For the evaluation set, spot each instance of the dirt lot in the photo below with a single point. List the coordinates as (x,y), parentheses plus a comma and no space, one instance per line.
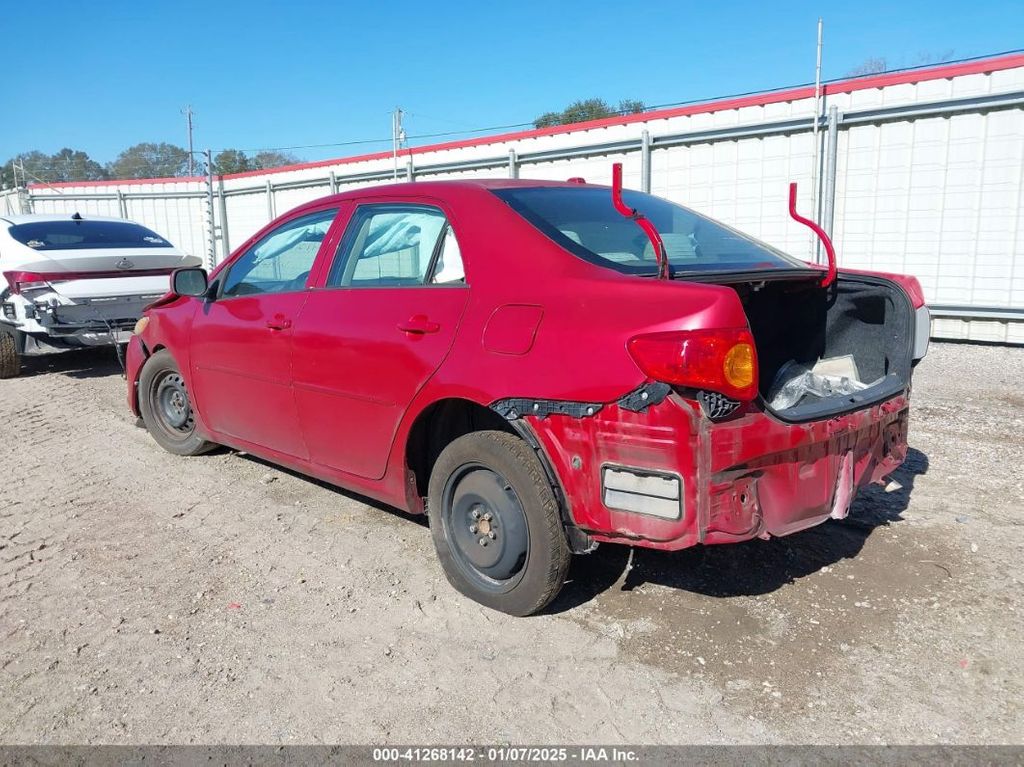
(146,598)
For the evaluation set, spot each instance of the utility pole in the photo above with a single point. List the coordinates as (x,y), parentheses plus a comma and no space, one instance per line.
(211,223)
(187,111)
(397,136)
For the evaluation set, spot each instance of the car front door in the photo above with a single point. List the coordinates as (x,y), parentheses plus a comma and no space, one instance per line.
(242,341)
(369,339)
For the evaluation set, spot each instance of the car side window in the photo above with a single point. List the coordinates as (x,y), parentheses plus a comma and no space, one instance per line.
(282,260)
(448,269)
(395,245)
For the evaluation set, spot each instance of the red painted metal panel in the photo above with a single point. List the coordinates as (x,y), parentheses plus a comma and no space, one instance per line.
(355,369)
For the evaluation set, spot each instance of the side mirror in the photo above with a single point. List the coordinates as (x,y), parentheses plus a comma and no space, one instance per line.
(190,282)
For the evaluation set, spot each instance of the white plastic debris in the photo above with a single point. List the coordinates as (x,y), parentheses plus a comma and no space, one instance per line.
(831,377)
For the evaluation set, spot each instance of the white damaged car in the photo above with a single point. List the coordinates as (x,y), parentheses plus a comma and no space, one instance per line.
(71,281)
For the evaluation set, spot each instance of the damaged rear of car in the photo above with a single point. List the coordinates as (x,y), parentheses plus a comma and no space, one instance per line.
(756,420)
(73,282)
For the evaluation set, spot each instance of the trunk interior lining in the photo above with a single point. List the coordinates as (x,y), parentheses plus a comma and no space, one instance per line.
(869,318)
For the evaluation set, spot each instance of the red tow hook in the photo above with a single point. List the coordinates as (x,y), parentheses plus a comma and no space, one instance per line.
(642,221)
(829,278)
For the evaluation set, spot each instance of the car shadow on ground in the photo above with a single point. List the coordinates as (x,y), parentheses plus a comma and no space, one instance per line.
(417,519)
(743,569)
(86,363)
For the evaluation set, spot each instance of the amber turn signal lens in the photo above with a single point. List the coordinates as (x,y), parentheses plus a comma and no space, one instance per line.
(722,360)
(738,366)
(140,325)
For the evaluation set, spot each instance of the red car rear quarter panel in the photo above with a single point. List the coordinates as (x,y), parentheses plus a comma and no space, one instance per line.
(580,327)
(664,438)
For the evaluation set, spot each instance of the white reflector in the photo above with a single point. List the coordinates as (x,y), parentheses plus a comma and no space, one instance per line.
(657,495)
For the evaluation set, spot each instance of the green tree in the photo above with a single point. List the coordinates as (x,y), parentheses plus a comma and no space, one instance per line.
(36,166)
(548,119)
(39,167)
(588,109)
(149,160)
(74,165)
(631,107)
(237,161)
(230,161)
(271,159)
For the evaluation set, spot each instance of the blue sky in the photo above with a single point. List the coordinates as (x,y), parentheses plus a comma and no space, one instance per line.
(103,75)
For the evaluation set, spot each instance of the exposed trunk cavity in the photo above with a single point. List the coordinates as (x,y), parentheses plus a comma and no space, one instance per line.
(859,329)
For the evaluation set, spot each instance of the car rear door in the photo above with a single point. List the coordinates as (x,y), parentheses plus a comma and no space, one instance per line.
(242,341)
(376,331)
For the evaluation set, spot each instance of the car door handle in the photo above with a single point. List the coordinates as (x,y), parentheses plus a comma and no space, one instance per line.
(279,323)
(419,324)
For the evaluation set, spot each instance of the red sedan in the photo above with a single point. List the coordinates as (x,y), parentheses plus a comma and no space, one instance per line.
(539,367)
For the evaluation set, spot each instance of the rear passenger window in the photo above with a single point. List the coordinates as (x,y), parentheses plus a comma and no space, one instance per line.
(394,245)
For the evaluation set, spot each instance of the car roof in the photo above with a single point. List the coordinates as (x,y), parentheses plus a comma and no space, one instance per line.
(430,187)
(29,218)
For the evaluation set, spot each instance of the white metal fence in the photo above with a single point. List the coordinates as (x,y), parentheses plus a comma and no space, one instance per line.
(920,172)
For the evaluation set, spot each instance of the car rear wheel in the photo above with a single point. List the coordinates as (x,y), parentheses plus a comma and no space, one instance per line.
(495,523)
(10,360)
(166,407)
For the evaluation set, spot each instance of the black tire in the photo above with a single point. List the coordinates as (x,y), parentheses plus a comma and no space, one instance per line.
(10,360)
(166,409)
(488,489)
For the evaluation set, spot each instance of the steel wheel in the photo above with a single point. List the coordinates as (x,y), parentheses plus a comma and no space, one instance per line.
(496,524)
(167,408)
(171,405)
(485,525)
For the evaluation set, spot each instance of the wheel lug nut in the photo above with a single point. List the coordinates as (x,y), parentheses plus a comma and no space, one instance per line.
(492,535)
(472,528)
(488,517)
(475,514)
(483,541)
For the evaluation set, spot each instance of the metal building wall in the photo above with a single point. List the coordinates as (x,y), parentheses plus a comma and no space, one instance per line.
(928,180)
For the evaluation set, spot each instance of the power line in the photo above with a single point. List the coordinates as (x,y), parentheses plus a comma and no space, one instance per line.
(617,113)
(514,126)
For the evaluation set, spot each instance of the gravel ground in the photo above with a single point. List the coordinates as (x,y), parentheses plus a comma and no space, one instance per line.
(146,598)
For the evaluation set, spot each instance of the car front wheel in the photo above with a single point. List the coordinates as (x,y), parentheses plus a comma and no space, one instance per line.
(166,407)
(495,523)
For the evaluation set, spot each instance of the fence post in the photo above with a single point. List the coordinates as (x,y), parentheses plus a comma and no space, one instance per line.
(122,204)
(645,161)
(333,180)
(225,243)
(828,201)
(410,172)
(271,214)
(211,225)
(513,164)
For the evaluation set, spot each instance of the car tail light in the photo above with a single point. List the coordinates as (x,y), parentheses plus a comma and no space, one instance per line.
(19,281)
(716,360)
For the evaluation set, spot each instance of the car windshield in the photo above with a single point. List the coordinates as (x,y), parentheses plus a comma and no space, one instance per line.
(585,222)
(74,234)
